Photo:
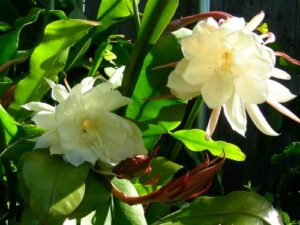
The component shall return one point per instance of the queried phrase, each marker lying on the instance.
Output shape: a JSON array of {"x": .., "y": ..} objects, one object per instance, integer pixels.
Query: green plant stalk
[
  {"x": 188, "y": 124},
  {"x": 98, "y": 59},
  {"x": 137, "y": 20},
  {"x": 50, "y": 6}
]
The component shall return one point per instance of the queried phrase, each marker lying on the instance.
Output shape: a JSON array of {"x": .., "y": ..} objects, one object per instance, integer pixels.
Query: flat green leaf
[
  {"x": 195, "y": 140},
  {"x": 156, "y": 117},
  {"x": 8, "y": 128},
  {"x": 125, "y": 214},
  {"x": 113, "y": 11},
  {"x": 9, "y": 42},
  {"x": 56, "y": 188},
  {"x": 96, "y": 195},
  {"x": 156, "y": 17},
  {"x": 49, "y": 58},
  {"x": 236, "y": 208}
]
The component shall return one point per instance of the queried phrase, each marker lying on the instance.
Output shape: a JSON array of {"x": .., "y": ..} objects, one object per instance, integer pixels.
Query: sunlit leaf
[
  {"x": 8, "y": 128},
  {"x": 48, "y": 59},
  {"x": 195, "y": 140},
  {"x": 9, "y": 42},
  {"x": 236, "y": 208},
  {"x": 56, "y": 188},
  {"x": 113, "y": 11}
]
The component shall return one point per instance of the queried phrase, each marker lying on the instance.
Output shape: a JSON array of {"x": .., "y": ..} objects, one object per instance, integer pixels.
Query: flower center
[
  {"x": 227, "y": 58},
  {"x": 226, "y": 65},
  {"x": 86, "y": 125}
]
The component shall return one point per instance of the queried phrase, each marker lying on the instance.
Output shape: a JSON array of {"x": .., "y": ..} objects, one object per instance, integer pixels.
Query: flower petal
[
  {"x": 59, "y": 92},
  {"x": 235, "y": 113},
  {"x": 234, "y": 24},
  {"x": 179, "y": 87},
  {"x": 44, "y": 119},
  {"x": 38, "y": 106},
  {"x": 110, "y": 99},
  {"x": 199, "y": 70},
  {"x": 278, "y": 92},
  {"x": 206, "y": 26},
  {"x": 279, "y": 107},
  {"x": 254, "y": 22},
  {"x": 216, "y": 92},
  {"x": 191, "y": 46},
  {"x": 259, "y": 120},
  {"x": 250, "y": 90},
  {"x": 77, "y": 157},
  {"x": 280, "y": 74}
]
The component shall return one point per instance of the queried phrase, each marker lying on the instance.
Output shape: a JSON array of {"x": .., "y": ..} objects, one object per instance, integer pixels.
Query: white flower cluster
[
  {"x": 82, "y": 127},
  {"x": 230, "y": 66}
]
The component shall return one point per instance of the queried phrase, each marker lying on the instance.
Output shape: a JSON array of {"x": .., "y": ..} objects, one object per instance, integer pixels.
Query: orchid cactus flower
[
  {"x": 82, "y": 126},
  {"x": 231, "y": 67}
]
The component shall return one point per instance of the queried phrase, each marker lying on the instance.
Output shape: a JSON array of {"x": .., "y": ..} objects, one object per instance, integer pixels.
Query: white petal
[
  {"x": 212, "y": 123},
  {"x": 117, "y": 76},
  {"x": 76, "y": 157},
  {"x": 38, "y": 106},
  {"x": 179, "y": 87},
  {"x": 206, "y": 26},
  {"x": 278, "y": 92},
  {"x": 233, "y": 24},
  {"x": 191, "y": 46},
  {"x": 110, "y": 100},
  {"x": 59, "y": 93},
  {"x": 199, "y": 70},
  {"x": 283, "y": 110},
  {"x": 280, "y": 74},
  {"x": 46, "y": 140},
  {"x": 216, "y": 92},
  {"x": 250, "y": 90},
  {"x": 259, "y": 120},
  {"x": 182, "y": 33},
  {"x": 254, "y": 22},
  {"x": 235, "y": 113},
  {"x": 44, "y": 119},
  {"x": 87, "y": 84}
]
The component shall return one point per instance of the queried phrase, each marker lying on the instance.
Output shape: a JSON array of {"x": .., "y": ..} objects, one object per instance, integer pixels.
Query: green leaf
[
  {"x": 8, "y": 128},
  {"x": 96, "y": 194},
  {"x": 49, "y": 58},
  {"x": 236, "y": 208},
  {"x": 292, "y": 150},
  {"x": 56, "y": 188},
  {"x": 156, "y": 117},
  {"x": 156, "y": 17},
  {"x": 195, "y": 140},
  {"x": 125, "y": 214},
  {"x": 113, "y": 11},
  {"x": 9, "y": 42}
]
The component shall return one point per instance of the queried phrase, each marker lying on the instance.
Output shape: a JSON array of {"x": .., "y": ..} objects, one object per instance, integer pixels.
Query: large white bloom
[
  {"x": 230, "y": 66},
  {"x": 82, "y": 127}
]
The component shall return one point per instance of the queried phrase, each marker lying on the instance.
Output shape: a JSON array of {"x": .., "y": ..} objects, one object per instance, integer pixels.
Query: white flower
[
  {"x": 230, "y": 66},
  {"x": 82, "y": 127}
]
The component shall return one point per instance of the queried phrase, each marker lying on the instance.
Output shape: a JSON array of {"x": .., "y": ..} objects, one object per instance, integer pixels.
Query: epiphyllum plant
[{"x": 231, "y": 66}]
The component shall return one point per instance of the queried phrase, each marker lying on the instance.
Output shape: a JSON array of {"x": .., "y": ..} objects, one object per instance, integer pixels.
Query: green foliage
[
  {"x": 156, "y": 117},
  {"x": 48, "y": 60},
  {"x": 195, "y": 140},
  {"x": 243, "y": 208},
  {"x": 58, "y": 192}
]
